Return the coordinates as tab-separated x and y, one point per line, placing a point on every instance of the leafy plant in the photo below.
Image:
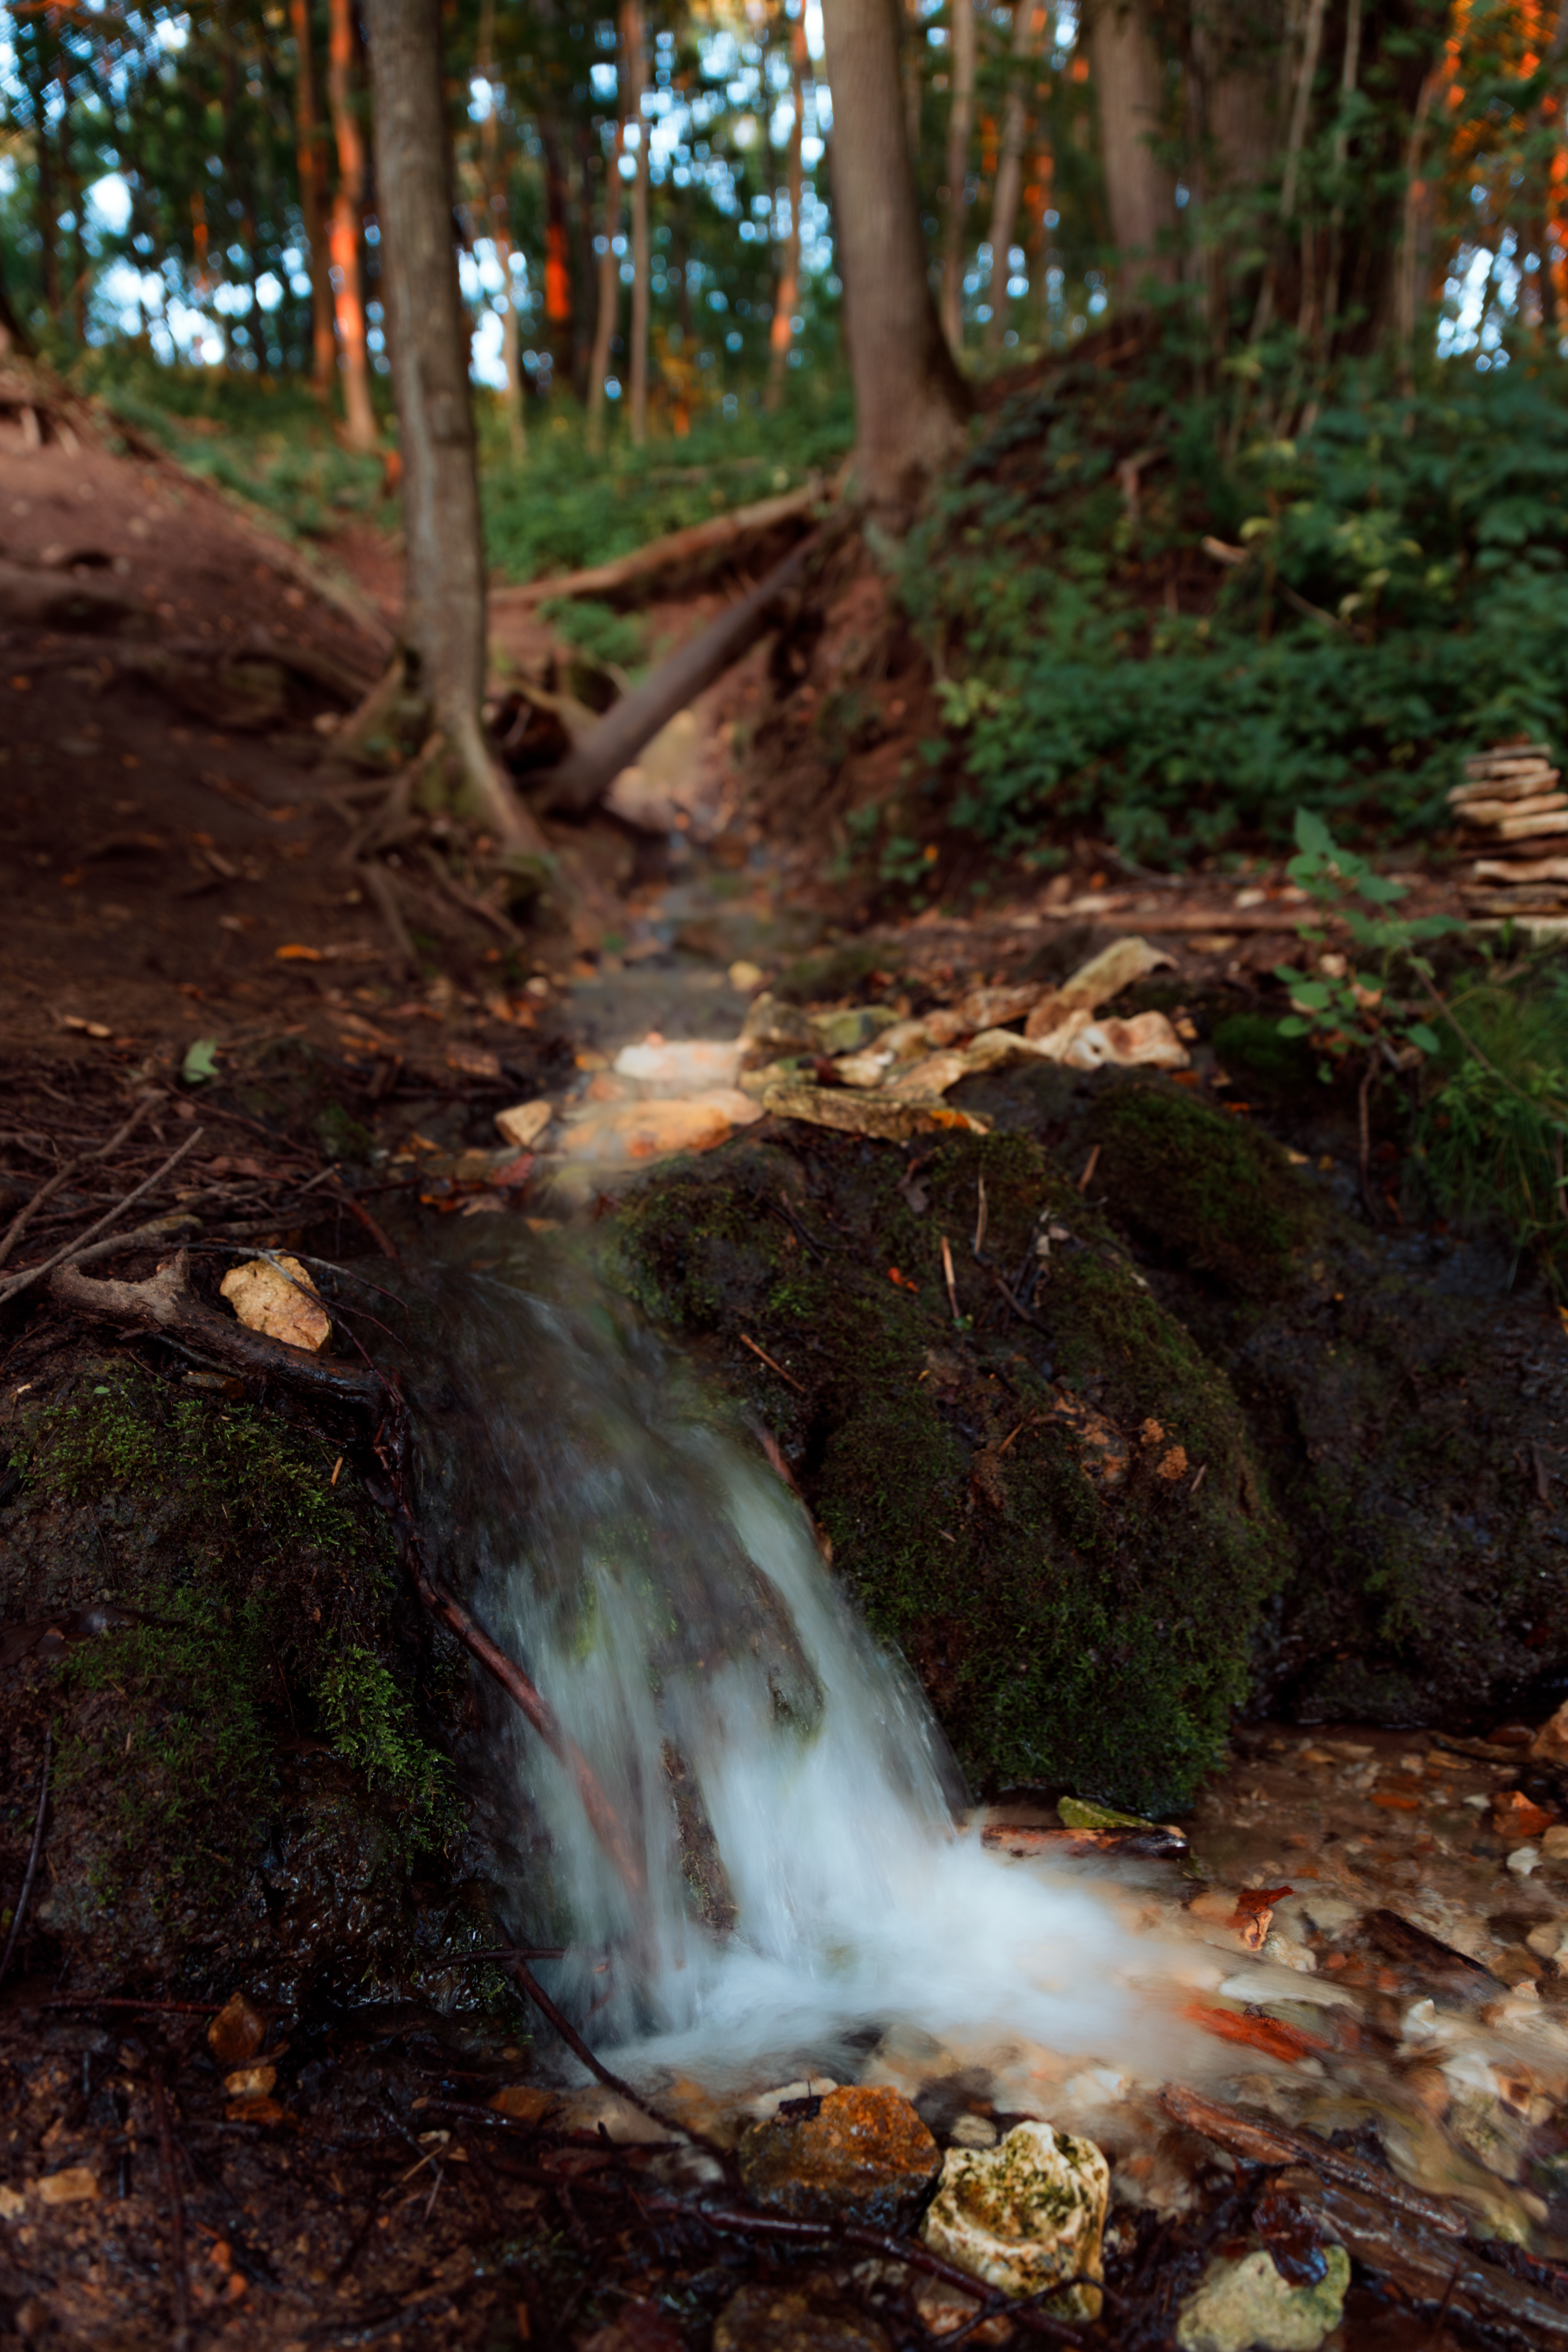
371	1724
1342	1009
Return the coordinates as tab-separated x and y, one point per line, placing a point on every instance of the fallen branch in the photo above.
177	2263
596	2067
55	600
62	1176
1257	2141
721	535
587	772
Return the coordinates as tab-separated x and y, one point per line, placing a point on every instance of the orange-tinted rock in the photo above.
864	2157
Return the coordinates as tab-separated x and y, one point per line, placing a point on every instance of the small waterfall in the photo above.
791	1795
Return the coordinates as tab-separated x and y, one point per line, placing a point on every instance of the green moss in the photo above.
992	1488
371	1724
1209	1191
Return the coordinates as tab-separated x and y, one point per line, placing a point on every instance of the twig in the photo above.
952	1285
771	1366
1089	1165
596	2067
146	2008
20	1281
176	2211
21	1911
62	1177
980	1215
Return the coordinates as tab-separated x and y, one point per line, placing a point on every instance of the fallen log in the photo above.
718	537
588	770
42	599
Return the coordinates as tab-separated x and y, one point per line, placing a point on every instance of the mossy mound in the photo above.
1050	1504
1207	1191
249	1776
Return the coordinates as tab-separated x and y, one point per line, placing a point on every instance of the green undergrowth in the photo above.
263	1599
1096	666
1016	1504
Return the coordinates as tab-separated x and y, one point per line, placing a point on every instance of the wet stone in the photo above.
809	2317
1025	2213
865	2157
1245	2303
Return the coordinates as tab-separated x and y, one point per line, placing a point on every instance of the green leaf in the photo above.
201	1061
1312	836
1420	1035
1294	1026
1316	995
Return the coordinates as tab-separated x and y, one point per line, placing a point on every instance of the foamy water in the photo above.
664	1589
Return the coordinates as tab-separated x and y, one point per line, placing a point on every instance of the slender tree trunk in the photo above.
312	201
609	275
494	177
909	399
444	616
914	85
348	223
959	129
633	41
781	334
1407	268
559	322
1140	187
1028	23
1301	106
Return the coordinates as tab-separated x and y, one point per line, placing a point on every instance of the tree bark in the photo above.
313	204
1028	23
910	400
1141	189
634	38
494	178
559	325
781	334
960	129
348	221
609	272
444	617
1407	268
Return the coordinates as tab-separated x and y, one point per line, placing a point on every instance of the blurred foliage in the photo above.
1396	595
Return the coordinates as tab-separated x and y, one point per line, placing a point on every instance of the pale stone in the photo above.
688	1067
12	2203
1522	1861
1555	1844
1024	2214
250	2082
524	1123
1245	2304
70	2188
1550	1742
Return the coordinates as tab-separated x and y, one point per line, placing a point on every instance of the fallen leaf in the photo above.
901	1281
892	1120
473	1061
292	952
525	2103
250	2082
278	1298
1513	1815
201	1061
1254	1911
256	2111
84	1028
622	1134
236	2034
525	1123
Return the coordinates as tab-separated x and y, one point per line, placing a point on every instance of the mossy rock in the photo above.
250	1774
1208	1190
1017	1502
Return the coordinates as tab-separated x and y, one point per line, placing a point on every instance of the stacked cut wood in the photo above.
1510	813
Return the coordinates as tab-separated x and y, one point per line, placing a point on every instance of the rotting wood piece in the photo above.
591	768
1257	2140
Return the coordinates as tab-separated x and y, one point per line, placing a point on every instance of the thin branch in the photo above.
20	1913
20	1281
62	1177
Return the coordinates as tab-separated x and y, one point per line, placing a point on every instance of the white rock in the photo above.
1245	2304
1523	1860
974	2131
1024	2214
1547	1940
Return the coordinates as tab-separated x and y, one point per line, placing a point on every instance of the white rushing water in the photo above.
776	1769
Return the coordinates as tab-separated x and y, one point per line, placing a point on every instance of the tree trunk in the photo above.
348	220
609	275
444	616
1406	273
960	126
560	326
910	400
634	38
781	334
1028	23
312	204
1140	187
494	178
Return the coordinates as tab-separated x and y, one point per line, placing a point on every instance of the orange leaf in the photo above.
902	1280
1393	1804
292	952
1269	2034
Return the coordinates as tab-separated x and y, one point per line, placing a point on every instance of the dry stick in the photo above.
579	2048
20	1281
21	1911
62	1176
952	1285
763	1354
176	2211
